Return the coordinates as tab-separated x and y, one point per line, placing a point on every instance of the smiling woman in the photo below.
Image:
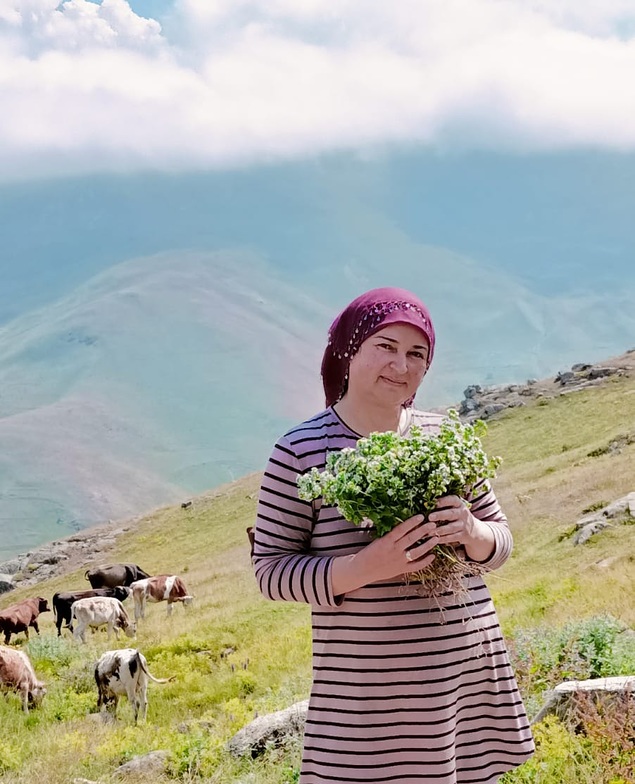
407	687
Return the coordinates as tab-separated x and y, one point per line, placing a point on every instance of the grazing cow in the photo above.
124	673
18	617
100	611
64	600
162	588
109	575
17	674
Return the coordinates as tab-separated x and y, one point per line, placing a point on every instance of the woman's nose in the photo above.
400	363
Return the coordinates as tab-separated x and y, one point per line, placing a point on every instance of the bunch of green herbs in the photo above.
389	477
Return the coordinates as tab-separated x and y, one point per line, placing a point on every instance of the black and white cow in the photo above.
124	673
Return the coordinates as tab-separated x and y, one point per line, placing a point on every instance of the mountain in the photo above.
158	332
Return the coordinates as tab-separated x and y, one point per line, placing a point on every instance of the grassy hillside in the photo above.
236	655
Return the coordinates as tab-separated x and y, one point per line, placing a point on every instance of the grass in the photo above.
236	655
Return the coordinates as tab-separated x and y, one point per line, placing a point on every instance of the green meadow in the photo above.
234	655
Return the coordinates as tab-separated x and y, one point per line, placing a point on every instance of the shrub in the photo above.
545	656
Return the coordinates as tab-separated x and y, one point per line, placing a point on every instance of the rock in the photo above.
619	511
472	391
579	367
468	405
601	372
606	562
152	764
491	409
623	507
558	700
565	378
6	583
272	728
584	534
49	556
11	567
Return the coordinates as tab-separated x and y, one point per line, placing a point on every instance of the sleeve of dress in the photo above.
485	507
284	567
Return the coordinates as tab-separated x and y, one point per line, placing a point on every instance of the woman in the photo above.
406	688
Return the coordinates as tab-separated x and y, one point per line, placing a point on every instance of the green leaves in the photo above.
387	477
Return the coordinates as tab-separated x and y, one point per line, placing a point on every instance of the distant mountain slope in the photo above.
158	332
157	378
168	375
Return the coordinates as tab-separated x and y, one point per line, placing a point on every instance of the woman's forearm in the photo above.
481	543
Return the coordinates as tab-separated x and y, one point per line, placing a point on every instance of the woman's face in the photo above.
390	364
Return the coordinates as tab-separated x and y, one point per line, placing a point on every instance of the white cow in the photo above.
17	674
99	611
168	588
124	673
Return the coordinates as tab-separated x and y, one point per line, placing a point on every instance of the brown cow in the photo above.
163	588
17	674
18	617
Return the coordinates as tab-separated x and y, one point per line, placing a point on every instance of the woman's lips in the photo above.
393	383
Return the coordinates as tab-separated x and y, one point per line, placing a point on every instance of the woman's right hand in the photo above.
391	555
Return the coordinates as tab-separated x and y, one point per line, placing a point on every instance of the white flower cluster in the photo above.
387	478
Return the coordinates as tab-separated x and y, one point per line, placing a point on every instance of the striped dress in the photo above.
406	689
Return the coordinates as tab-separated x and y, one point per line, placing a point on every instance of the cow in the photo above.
163	588
18	617
17	674
110	575
124	673
100	611
64	600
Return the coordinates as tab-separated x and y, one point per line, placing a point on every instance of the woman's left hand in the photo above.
457	525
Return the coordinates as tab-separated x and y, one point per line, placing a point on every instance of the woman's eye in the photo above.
417	355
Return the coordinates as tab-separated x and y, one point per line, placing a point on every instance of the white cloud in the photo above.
94	86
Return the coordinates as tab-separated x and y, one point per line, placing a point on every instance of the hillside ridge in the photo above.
95	543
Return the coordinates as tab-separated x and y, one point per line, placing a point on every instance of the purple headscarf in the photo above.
361	319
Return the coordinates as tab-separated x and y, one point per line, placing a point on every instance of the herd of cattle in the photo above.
117	673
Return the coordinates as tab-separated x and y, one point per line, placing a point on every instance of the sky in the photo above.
215	84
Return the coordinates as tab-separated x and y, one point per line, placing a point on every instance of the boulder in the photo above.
6	583
472	391
620	511
265	730
151	765
565	378
491	409
601	372
559	700
468	405
624	506
13	566
586	532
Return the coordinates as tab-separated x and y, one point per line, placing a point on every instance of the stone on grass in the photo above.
6	583
274	728
152	765
558	700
